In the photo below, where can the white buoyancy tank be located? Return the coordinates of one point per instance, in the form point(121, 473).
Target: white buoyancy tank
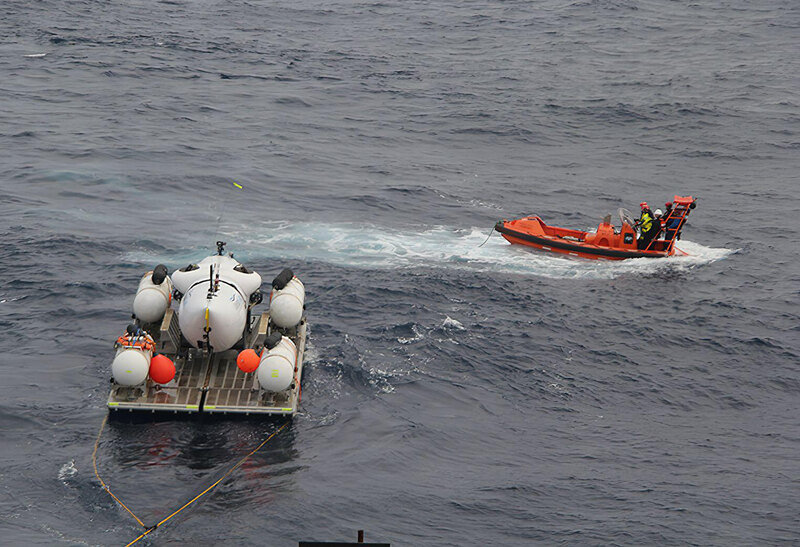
point(276, 370)
point(286, 304)
point(152, 299)
point(130, 366)
point(225, 314)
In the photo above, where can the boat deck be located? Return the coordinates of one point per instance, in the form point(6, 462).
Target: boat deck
point(211, 383)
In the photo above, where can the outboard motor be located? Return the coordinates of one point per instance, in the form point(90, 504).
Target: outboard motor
point(277, 367)
point(153, 295)
point(287, 300)
point(215, 295)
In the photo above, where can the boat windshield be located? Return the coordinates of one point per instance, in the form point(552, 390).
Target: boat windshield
point(626, 217)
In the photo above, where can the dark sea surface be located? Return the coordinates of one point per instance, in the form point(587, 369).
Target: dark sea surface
point(453, 394)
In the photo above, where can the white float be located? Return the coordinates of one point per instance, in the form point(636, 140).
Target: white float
point(276, 370)
point(286, 304)
point(130, 366)
point(152, 300)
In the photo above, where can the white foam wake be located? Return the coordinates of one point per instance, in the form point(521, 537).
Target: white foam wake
point(367, 246)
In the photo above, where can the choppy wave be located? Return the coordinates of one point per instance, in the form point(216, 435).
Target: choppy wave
point(487, 394)
point(67, 470)
point(365, 246)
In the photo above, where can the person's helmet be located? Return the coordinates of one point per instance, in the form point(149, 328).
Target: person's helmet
point(643, 205)
point(659, 212)
point(668, 204)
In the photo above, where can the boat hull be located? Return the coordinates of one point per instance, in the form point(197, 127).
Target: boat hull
point(573, 247)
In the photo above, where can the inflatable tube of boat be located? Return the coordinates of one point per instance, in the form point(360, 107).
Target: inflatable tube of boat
point(276, 370)
point(286, 304)
point(153, 295)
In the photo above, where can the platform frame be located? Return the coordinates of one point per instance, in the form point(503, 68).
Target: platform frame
point(212, 383)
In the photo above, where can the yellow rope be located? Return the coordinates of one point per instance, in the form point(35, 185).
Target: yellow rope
point(140, 537)
point(188, 503)
point(97, 474)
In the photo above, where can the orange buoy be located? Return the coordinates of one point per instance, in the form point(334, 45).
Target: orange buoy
point(248, 360)
point(162, 369)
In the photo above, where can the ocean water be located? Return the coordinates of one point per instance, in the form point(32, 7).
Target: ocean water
point(454, 394)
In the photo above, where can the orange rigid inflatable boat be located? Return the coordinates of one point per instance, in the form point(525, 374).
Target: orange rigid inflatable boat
point(608, 242)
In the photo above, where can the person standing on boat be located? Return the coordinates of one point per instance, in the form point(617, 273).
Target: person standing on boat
point(670, 225)
point(658, 214)
point(667, 209)
point(649, 226)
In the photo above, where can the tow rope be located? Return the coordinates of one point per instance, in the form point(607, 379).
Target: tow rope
point(149, 529)
point(487, 238)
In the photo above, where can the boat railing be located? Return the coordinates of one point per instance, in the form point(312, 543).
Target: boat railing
point(678, 213)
